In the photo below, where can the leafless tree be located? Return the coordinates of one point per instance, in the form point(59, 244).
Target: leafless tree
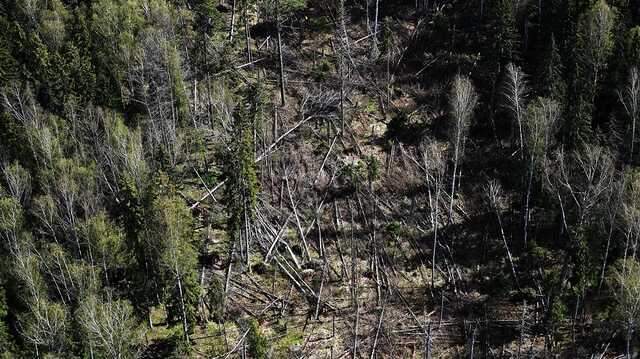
point(435, 164)
point(630, 99)
point(495, 198)
point(515, 92)
point(584, 179)
point(10, 220)
point(46, 321)
point(110, 326)
point(629, 215)
point(45, 325)
point(156, 76)
point(462, 102)
point(18, 182)
point(595, 37)
point(540, 129)
point(21, 105)
point(624, 281)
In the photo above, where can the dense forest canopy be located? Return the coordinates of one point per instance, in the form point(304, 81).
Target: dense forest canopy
point(319, 178)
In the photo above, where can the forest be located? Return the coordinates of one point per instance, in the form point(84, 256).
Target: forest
point(319, 179)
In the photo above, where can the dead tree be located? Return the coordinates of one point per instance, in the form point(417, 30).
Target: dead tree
point(280, 56)
point(435, 165)
point(462, 102)
point(495, 198)
point(630, 99)
point(18, 182)
point(540, 129)
point(625, 286)
point(515, 92)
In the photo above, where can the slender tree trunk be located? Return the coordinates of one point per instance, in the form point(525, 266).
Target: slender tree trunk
point(182, 305)
point(506, 247)
point(375, 29)
point(525, 212)
point(280, 59)
point(606, 255)
point(628, 339)
point(434, 223)
point(342, 96)
point(368, 11)
point(453, 179)
point(233, 20)
point(247, 34)
point(633, 138)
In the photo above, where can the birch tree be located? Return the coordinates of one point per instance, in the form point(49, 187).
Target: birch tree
point(540, 130)
point(515, 92)
point(18, 182)
point(630, 99)
point(435, 164)
point(462, 102)
point(110, 326)
point(594, 46)
point(624, 281)
point(495, 198)
point(171, 240)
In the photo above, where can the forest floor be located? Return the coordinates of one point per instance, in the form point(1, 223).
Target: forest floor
point(351, 275)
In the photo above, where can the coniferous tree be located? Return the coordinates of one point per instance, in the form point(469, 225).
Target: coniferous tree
point(169, 243)
point(242, 188)
point(594, 43)
point(553, 83)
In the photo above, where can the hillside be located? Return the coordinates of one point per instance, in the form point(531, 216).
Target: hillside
point(319, 179)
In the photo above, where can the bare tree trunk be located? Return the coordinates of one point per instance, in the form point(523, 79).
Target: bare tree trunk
point(525, 213)
point(375, 30)
point(606, 255)
point(342, 95)
point(247, 34)
point(633, 138)
point(233, 20)
point(280, 59)
point(628, 338)
point(453, 183)
point(435, 205)
point(354, 288)
point(182, 305)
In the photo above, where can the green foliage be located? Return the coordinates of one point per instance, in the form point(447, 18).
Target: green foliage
point(170, 239)
point(97, 95)
point(215, 300)
point(553, 84)
point(258, 344)
point(8, 65)
point(207, 18)
point(288, 6)
point(594, 46)
point(386, 40)
point(282, 348)
point(5, 338)
point(109, 243)
point(503, 30)
point(242, 188)
point(623, 279)
point(11, 219)
point(632, 48)
point(47, 325)
point(373, 168)
point(179, 347)
point(175, 71)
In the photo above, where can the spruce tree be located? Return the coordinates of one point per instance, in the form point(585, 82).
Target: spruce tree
point(242, 187)
point(553, 84)
point(594, 45)
point(503, 28)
